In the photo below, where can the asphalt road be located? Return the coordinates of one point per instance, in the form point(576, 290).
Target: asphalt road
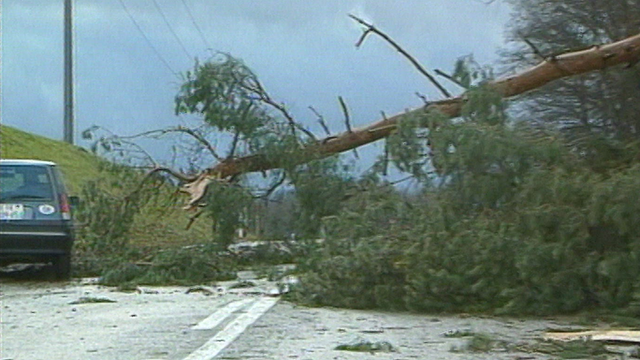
point(43, 320)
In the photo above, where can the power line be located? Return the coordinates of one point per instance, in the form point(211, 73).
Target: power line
point(193, 20)
point(155, 50)
point(166, 21)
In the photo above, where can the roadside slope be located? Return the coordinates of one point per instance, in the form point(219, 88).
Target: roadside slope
point(77, 164)
point(158, 225)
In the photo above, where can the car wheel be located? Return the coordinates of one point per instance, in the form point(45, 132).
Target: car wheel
point(62, 267)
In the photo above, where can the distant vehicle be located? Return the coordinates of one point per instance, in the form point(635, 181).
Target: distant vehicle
point(35, 215)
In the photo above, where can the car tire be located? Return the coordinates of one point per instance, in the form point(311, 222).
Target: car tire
point(62, 267)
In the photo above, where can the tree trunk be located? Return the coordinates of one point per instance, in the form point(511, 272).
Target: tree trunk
point(626, 51)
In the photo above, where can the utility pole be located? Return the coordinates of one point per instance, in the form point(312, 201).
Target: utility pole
point(68, 72)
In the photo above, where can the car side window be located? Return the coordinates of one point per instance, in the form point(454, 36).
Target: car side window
point(59, 180)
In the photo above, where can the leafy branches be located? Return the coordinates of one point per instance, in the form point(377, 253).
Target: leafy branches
point(231, 98)
point(520, 225)
point(621, 52)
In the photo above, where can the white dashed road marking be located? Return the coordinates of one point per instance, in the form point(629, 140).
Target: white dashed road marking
point(231, 332)
point(219, 316)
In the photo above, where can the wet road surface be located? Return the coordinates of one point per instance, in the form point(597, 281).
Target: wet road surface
point(43, 320)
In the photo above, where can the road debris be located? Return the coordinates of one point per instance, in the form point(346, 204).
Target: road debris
point(205, 290)
point(242, 284)
point(91, 300)
point(624, 336)
point(141, 290)
point(367, 346)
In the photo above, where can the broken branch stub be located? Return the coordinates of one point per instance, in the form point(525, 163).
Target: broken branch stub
point(625, 51)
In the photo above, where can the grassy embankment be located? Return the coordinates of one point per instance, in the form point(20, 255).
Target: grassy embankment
point(158, 225)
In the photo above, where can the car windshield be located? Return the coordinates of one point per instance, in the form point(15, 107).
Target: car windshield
point(24, 182)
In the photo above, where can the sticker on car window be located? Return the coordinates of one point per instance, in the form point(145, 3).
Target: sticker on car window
point(46, 209)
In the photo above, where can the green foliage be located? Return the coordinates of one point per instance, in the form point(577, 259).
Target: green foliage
point(367, 346)
point(355, 267)
point(225, 205)
point(187, 266)
point(480, 343)
point(233, 103)
point(540, 255)
point(108, 209)
point(222, 91)
point(320, 187)
point(519, 223)
point(92, 300)
point(115, 214)
point(361, 274)
point(468, 73)
point(182, 266)
point(409, 145)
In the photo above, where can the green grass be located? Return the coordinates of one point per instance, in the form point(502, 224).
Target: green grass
point(76, 163)
point(161, 224)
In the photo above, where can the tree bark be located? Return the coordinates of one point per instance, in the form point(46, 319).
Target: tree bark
point(626, 51)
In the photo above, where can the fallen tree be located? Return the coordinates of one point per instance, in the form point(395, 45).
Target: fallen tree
point(598, 57)
point(529, 221)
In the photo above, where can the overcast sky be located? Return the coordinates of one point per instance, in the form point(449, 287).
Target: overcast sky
point(303, 51)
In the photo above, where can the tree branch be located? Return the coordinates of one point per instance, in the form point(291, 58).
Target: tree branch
point(450, 78)
point(321, 121)
point(181, 177)
point(345, 112)
point(156, 134)
point(151, 173)
point(578, 62)
point(273, 187)
point(234, 145)
point(533, 48)
point(264, 97)
point(372, 29)
point(193, 218)
point(200, 139)
point(551, 59)
point(347, 121)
